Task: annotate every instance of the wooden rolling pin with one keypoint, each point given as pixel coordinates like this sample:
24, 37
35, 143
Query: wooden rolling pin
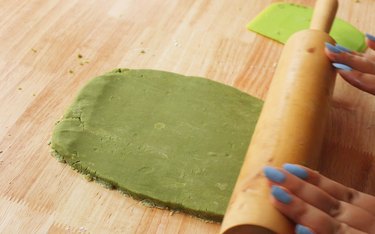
290, 128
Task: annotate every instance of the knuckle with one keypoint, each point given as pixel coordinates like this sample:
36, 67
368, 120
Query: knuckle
336, 210
372, 67
298, 213
360, 75
351, 195
348, 58
342, 228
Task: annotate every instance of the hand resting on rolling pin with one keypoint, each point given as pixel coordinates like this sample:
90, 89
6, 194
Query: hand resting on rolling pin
356, 68
319, 205
315, 203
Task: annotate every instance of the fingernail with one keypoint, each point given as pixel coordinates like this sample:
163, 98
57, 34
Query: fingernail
371, 37
281, 195
342, 48
274, 174
342, 66
300, 229
332, 48
296, 170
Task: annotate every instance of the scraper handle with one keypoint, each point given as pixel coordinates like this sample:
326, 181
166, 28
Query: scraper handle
324, 15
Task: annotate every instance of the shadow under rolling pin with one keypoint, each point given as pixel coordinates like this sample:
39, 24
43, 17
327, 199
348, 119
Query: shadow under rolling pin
290, 128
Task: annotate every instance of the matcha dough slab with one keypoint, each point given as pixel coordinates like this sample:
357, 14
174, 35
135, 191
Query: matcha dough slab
171, 140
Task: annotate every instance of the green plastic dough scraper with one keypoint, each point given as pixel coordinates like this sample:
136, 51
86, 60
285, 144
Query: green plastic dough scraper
280, 20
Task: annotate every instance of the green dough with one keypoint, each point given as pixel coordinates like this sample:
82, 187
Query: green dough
280, 20
168, 139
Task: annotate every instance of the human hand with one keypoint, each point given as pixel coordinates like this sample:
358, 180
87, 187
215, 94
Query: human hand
319, 205
356, 68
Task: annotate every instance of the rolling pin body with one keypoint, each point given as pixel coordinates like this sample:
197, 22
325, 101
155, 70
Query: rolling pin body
290, 129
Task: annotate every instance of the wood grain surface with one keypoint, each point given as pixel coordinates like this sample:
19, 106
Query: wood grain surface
40, 73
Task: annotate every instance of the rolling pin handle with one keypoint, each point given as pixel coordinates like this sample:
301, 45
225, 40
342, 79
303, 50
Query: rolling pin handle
324, 15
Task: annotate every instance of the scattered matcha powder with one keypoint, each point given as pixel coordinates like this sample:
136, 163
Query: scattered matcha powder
71, 71
88, 178
143, 52
34, 50
84, 62
19, 88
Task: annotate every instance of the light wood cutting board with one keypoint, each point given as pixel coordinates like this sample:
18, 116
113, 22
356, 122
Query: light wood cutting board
40, 73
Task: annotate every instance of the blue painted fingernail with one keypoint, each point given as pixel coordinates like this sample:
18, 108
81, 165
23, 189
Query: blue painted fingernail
371, 37
342, 66
296, 170
274, 174
300, 229
332, 48
342, 48
281, 195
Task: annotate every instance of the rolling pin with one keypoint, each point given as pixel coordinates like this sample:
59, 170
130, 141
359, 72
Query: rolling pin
290, 128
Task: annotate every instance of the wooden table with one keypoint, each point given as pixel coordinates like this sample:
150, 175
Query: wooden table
40, 73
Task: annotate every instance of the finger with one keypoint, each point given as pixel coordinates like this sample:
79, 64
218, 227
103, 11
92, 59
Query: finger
370, 41
355, 60
302, 189
300, 229
307, 215
318, 198
355, 217
360, 80
336, 190
336, 50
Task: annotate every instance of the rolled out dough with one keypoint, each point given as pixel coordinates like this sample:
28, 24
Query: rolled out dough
169, 139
